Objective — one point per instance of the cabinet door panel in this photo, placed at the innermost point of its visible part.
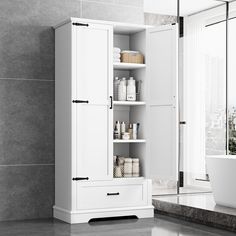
(92, 142)
(93, 148)
(92, 67)
(162, 143)
(162, 106)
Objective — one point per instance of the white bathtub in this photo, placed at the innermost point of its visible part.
(222, 173)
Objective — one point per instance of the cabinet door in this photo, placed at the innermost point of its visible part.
(92, 83)
(162, 74)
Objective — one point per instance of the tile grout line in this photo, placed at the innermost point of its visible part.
(21, 165)
(113, 4)
(43, 80)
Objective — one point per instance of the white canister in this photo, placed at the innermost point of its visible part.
(126, 136)
(135, 131)
(131, 90)
(123, 127)
(128, 167)
(135, 167)
(122, 90)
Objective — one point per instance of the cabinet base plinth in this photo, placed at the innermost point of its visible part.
(75, 217)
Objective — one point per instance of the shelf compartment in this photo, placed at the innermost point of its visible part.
(128, 66)
(129, 103)
(129, 141)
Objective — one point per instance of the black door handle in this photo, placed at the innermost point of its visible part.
(80, 24)
(182, 122)
(80, 101)
(80, 178)
(113, 194)
(111, 104)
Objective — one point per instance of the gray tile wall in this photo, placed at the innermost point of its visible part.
(27, 96)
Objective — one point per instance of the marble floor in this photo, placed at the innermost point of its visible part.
(200, 208)
(203, 201)
(158, 226)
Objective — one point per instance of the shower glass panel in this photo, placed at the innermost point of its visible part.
(202, 86)
(232, 79)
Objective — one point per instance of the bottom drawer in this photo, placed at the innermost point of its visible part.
(113, 196)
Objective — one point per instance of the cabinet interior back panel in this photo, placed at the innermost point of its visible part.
(121, 41)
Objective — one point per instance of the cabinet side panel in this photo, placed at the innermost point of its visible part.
(63, 117)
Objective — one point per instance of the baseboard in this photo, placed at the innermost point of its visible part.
(75, 217)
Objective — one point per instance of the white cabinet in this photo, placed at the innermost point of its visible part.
(85, 115)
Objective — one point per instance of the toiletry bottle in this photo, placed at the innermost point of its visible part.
(130, 131)
(116, 133)
(123, 128)
(116, 83)
(131, 90)
(122, 90)
(135, 131)
(118, 129)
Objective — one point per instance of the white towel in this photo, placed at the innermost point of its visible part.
(116, 50)
(116, 60)
(116, 55)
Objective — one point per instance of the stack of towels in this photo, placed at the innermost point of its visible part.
(116, 55)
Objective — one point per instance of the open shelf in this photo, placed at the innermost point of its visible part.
(128, 103)
(129, 141)
(128, 66)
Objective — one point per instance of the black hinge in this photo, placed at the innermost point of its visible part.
(181, 179)
(80, 178)
(80, 24)
(80, 101)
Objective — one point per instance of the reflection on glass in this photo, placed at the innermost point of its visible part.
(215, 100)
(232, 87)
(204, 93)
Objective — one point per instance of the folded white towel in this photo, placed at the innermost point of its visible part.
(116, 55)
(116, 50)
(116, 60)
(131, 52)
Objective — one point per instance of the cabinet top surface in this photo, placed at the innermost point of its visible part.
(119, 27)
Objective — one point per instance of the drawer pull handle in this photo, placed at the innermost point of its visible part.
(80, 178)
(113, 194)
(80, 101)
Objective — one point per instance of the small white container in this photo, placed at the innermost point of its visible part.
(122, 90)
(131, 90)
(135, 131)
(123, 127)
(126, 136)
